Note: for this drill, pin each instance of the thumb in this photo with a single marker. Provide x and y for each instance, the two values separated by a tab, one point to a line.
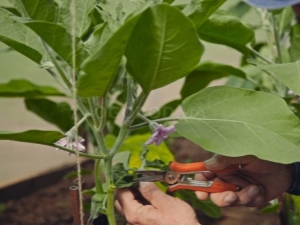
220	162
153	194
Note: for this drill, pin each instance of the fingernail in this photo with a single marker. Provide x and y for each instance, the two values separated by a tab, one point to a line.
229	199
144	184
253	191
211	162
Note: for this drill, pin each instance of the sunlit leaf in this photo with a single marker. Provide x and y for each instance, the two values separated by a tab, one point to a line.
24	88
163	51
236	122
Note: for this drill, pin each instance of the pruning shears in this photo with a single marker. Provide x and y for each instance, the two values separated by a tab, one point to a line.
177	177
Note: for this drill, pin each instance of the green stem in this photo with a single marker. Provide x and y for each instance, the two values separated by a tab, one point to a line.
260	56
103	113
80	153
277	40
167	119
144	118
87	115
97	175
57	66
110	212
94	114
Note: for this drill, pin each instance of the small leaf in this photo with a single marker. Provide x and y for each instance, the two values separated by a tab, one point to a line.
24	88
274	208
59	114
206	206
287	73
33	136
226	29
240	9
294	49
82	21
122	157
165	50
19	37
199	10
100	68
37	9
59	40
237	122
204	74
285	19
122	178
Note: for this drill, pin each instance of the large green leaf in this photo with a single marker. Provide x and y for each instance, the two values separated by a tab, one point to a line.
287	73
37	9
33	136
19	37
59	114
163	47
226	29
204	74
236	122
294	49
82	20
24	88
59	40
100	68
199	10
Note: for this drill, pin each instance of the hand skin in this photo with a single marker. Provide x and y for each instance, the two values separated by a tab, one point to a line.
260	181
162	210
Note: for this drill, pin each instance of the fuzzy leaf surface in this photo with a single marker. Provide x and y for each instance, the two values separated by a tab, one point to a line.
164	50
226	29
24	88
59	114
82	20
237	122
204	74
19	37
287	73
33	136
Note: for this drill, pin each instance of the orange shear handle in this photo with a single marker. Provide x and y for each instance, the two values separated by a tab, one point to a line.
198	167
214	188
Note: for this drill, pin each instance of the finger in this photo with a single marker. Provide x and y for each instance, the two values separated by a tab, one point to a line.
127	201
153	194
219	162
201	195
248	196
119	207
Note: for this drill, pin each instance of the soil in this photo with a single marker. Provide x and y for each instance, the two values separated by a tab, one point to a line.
51	205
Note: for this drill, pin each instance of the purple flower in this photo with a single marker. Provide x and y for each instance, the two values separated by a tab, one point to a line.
160	134
69	142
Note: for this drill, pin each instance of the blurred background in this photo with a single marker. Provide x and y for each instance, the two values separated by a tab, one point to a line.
20	161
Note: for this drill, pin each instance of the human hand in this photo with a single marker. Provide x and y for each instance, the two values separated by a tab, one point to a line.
161	210
260	181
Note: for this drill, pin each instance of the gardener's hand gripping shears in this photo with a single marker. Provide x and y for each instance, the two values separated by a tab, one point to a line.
177	177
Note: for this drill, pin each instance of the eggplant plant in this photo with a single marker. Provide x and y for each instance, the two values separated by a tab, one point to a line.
109	55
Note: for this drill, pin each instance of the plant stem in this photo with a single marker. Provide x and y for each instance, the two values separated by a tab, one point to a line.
100	156
103	113
157	120
97	175
260	56
94	114
277	41
144	118
80	122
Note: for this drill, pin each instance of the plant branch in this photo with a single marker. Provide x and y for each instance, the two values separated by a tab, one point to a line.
100	156
260	56
97	175
103	113
277	40
141	125
94	114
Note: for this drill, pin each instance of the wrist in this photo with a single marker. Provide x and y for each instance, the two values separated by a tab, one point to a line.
295	185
